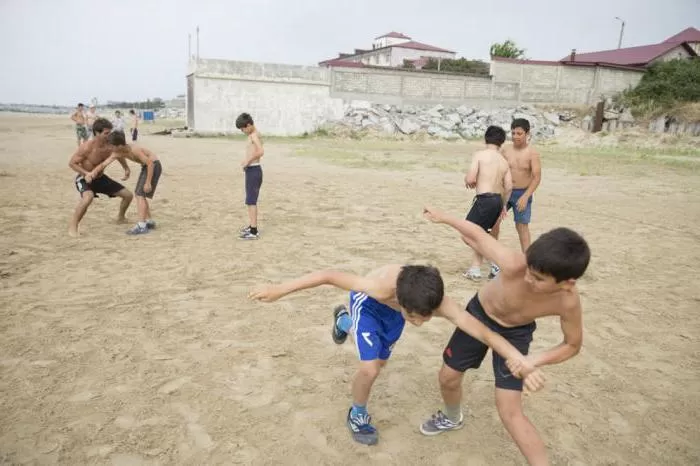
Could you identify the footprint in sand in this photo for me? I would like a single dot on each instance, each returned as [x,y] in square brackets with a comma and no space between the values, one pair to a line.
[173,385]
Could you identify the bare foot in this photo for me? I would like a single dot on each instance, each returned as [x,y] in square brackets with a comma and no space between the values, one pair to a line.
[122,221]
[73,232]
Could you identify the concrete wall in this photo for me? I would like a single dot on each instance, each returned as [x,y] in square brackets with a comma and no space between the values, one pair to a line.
[410,87]
[283,99]
[562,84]
[291,100]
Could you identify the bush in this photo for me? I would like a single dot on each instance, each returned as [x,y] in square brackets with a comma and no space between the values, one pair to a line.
[665,85]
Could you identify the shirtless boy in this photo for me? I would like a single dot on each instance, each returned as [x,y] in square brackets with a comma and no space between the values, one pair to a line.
[80,121]
[380,304]
[526,171]
[134,126]
[531,285]
[147,182]
[253,173]
[490,175]
[85,159]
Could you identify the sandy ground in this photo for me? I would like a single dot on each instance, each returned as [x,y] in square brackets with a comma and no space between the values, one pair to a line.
[125,351]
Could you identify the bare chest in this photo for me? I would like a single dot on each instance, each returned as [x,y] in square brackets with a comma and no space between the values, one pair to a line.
[513,304]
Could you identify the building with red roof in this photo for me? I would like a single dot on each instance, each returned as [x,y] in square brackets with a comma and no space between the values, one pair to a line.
[685,44]
[391,50]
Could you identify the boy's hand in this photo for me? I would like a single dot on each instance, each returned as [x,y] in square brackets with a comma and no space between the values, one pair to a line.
[503,214]
[89,177]
[266,294]
[433,214]
[521,367]
[522,203]
[147,188]
[534,381]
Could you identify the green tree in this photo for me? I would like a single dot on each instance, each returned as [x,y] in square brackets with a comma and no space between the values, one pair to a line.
[507,49]
[459,65]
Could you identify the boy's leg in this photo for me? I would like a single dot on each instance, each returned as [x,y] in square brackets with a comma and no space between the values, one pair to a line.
[485,212]
[253,181]
[462,352]
[509,398]
[526,437]
[127,197]
[522,224]
[79,212]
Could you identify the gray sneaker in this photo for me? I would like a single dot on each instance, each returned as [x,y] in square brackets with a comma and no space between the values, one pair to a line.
[137,230]
[439,423]
[150,224]
[362,429]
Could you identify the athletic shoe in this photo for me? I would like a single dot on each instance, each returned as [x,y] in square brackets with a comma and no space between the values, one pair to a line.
[339,336]
[249,235]
[494,271]
[362,429]
[150,224]
[439,423]
[473,274]
[137,230]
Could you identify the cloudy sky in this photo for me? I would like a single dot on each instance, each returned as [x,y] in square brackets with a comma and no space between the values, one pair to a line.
[64,51]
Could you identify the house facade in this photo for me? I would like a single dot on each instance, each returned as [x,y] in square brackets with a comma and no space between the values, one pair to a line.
[391,50]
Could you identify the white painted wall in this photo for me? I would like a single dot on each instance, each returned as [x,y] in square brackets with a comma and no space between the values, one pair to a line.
[283,100]
[399,54]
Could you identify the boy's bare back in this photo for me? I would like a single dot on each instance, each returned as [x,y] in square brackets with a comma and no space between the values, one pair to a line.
[492,172]
[383,284]
[520,162]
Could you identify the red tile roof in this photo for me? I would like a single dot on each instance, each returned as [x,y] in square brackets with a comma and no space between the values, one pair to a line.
[394,35]
[566,62]
[419,46]
[342,62]
[687,35]
[641,55]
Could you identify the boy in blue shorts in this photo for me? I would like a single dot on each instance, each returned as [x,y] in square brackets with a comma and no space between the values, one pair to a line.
[526,171]
[380,304]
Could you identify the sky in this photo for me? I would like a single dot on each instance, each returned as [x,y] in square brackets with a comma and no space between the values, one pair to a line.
[60,52]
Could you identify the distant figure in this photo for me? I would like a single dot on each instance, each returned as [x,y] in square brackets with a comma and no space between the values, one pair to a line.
[253,173]
[118,122]
[134,125]
[79,118]
[91,116]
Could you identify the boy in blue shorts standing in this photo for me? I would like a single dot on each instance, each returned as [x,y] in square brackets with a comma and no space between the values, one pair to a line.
[380,304]
[253,173]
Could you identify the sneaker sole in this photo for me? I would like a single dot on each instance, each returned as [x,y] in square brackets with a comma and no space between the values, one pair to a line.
[438,432]
[336,312]
[361,439]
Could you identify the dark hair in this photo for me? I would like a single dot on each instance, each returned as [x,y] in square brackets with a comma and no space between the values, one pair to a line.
[132,111]
[116,138]
[561,253]
[520,123]
[80,104]
[100,125]
[419,289]
[243,120]
[495,135]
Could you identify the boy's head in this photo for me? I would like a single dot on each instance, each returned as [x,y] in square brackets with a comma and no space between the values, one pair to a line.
[81,106]
[118,140]
[132,111]
[556,260]
[519,131]
[495,135]
[117,113]
[245,123]
[419,290]
[101,128]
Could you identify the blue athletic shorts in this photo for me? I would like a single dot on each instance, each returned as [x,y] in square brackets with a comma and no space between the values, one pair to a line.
[375,326]
[525,215]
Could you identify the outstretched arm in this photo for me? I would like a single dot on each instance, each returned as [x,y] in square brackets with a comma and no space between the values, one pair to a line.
[342,280]
[466,322]
[479,240]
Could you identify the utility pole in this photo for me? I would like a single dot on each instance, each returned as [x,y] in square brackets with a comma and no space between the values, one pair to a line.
[189,47]
[197,43]
[622,31]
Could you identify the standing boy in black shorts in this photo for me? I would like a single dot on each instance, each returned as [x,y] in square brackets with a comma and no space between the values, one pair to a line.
[490,175]
[253,173]
[148,178]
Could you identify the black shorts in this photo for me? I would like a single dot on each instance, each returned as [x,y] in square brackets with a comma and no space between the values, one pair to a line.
[253,181]
[157,169]
[101,185]
[486,209]
[134,134]
[466,352]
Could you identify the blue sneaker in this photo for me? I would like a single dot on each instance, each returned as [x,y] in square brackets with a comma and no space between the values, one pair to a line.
[339,336]
[362,429]
[137,230]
